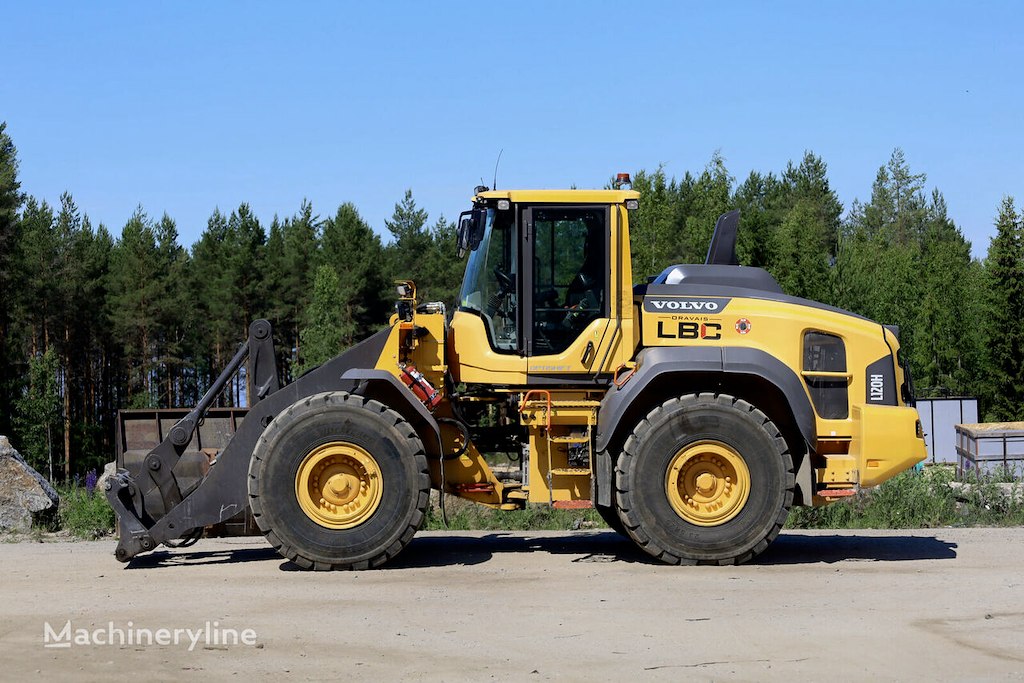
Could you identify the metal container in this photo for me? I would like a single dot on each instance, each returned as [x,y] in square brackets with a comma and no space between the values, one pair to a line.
[939,417]
[990,448]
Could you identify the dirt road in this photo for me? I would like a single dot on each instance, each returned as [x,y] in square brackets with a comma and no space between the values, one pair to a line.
[921,605]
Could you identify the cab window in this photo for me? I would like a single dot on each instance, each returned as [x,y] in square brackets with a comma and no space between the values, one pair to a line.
[570,274]
[489,287]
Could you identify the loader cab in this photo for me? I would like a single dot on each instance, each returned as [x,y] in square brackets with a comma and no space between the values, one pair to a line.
[541,301]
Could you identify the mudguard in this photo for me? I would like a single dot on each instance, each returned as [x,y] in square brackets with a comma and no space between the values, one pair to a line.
[658,362]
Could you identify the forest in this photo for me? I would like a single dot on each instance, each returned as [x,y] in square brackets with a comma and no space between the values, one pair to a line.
[92,322]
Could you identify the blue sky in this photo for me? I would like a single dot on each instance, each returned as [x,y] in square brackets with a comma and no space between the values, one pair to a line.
[183,107]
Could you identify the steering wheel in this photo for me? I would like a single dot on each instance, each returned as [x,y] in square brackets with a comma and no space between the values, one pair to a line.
[506,284]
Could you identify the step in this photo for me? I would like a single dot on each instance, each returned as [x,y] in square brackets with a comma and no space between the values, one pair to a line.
[481,487]
[542,404]
[571,471]
[837,493]
[572,504]
[571,438]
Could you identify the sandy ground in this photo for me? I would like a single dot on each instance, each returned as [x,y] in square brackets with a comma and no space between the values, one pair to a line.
[943,604]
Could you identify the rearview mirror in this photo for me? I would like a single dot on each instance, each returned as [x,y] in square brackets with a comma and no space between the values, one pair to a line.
[471,230]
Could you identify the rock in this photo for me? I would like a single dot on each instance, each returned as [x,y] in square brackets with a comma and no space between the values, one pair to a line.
[109,470]
[25,496]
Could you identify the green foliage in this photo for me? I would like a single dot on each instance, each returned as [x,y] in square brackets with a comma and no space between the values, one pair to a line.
[143,321]
[705,199]
[10,242]
[902,261]
[408,253]
[915,499]
[85,514]
[328,323]
[800,259]
[467,516]
[350,246]
[136,289]
[1004,310]
[654,223]
[443,266]
[37,413]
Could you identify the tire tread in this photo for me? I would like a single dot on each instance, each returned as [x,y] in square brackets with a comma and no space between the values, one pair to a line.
[294,554]
[624,486]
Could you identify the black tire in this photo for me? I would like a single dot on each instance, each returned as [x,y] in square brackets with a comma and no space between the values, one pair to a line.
[643,468]
[323,419]
[611,517]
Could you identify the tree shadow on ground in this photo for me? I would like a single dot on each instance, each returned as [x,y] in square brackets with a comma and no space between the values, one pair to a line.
[454,549]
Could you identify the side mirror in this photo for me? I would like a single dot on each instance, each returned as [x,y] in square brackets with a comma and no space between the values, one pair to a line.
[471,230]
[479,225]
[463,232]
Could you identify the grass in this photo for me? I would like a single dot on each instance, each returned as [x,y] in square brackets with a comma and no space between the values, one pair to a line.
[911,500]
[464,515]
[83,513]
[915,500]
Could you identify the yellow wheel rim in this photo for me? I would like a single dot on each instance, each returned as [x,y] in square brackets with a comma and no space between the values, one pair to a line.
[339,485]
[707,483]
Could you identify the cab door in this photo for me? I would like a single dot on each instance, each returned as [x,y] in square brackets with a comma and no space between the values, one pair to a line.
[568,328]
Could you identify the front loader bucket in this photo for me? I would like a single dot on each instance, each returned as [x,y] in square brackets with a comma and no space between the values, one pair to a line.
[196,475]
[140,431]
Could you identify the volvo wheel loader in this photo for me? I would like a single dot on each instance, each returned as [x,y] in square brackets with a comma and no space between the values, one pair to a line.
[693,411]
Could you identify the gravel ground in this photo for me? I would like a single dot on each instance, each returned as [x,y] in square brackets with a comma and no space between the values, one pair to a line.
[944,604]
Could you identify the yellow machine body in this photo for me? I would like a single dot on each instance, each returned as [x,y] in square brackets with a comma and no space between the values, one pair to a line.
[854,445]
[692,410]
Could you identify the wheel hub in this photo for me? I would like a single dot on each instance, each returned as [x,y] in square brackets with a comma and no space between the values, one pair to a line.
[338,485]
[707,483]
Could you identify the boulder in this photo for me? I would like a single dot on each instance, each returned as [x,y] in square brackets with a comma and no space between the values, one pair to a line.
[109,470]
[25,496]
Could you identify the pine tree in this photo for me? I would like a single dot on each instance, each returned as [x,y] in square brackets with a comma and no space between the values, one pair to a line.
[36,260]
[790,226]
[443,266]
[135,291]
[96,348]
[172,313]
[878,261]
[212,286]
[653,227]
[808,184]
[800,259]
[761,201]
[1004,268]
[946,355]
[10,203]
[67,284]
[327,322]
[709,198]
[355,253]
[411,243]
[299,255]
[37,413]
[246,239]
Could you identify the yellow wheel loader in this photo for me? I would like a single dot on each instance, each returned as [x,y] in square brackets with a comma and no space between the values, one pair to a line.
[693,411]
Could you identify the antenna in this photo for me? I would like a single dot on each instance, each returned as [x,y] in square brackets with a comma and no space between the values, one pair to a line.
[495,185]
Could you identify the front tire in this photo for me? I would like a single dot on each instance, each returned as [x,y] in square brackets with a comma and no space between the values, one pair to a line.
[338,481]
[704,479]
[611,517]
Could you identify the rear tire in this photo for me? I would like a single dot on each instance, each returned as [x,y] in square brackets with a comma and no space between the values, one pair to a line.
[704,479]
[338,481]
